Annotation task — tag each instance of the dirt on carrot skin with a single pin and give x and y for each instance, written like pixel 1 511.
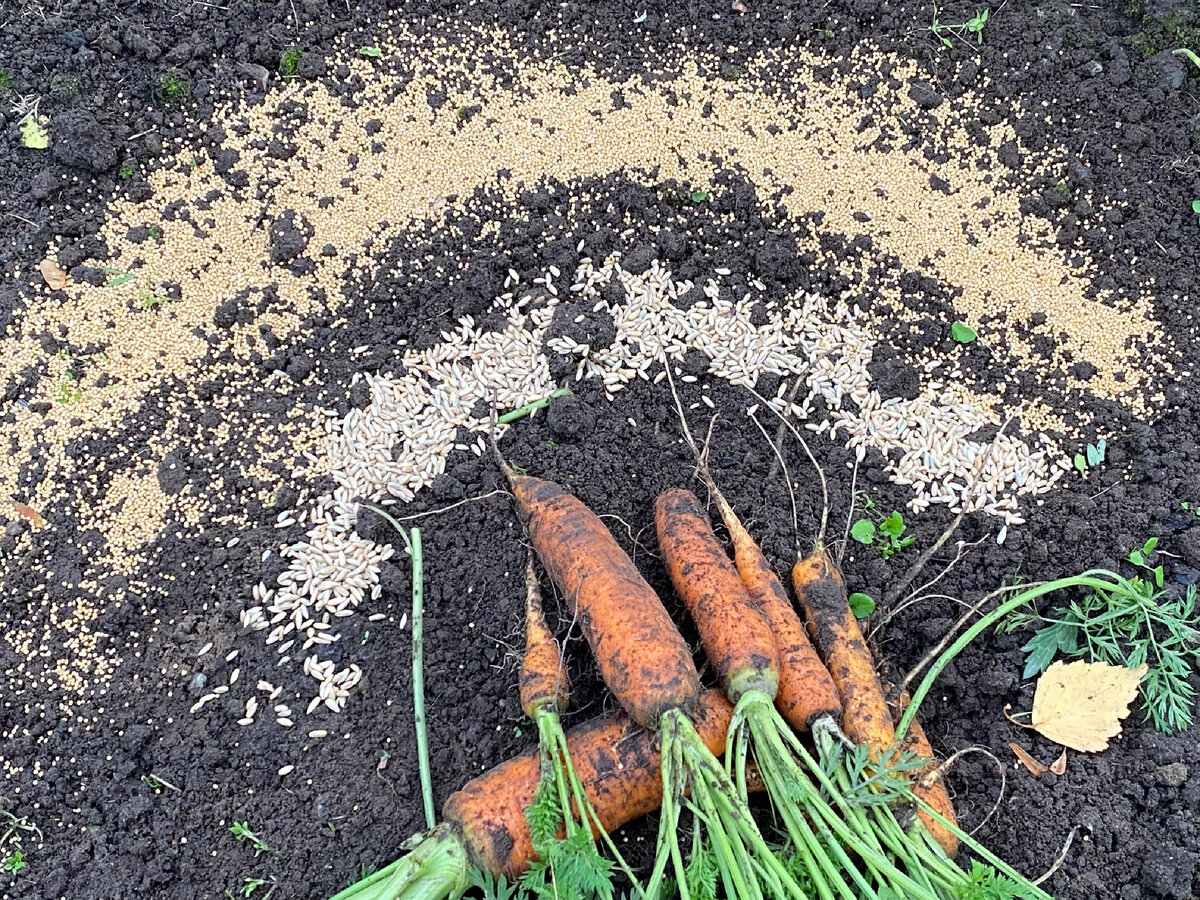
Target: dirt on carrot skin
pixel 86 780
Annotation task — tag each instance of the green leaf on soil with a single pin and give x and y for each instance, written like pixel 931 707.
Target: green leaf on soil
pixel 863 531
pixel 372 52
pixel 962 332
pixel 1095 453
pixel 862 605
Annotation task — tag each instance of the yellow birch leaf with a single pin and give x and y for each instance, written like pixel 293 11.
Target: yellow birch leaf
pixel 34 134
pixel 1081 704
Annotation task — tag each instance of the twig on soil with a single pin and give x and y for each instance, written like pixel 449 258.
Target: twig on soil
pixel 942 644
pixel 949 762
pixel 434 512
pixel 1062 858
pixel 849 515
pixel 820 541
pixel 522 411
pixel 894 592
pixel 412 541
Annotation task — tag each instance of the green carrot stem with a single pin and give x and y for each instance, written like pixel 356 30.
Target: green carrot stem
pixel 522 411
pixel 1096 579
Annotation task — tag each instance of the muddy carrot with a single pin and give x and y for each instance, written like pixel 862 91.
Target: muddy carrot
pixel 544 680
pixel 834 630
pixel 736 635
pixel 806 689
pixel 642 657
pixel 928 783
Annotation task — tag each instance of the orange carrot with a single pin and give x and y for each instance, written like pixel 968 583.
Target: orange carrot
pixel 806 689
pixel 617 761
pixel 927 783
pixel 642 657
pixel 736 635
pixel 544 679
pixel 834 630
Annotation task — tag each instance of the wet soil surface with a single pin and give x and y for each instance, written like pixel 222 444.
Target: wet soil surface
pixel 354 797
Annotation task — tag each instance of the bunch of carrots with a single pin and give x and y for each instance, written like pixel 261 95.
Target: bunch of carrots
pixel 855 809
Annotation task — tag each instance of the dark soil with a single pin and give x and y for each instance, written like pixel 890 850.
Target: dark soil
pixel 355 796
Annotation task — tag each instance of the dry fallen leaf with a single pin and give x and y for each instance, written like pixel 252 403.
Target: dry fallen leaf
pixel 53 273
pixel 1081 704
pixel 30 513
pixel 1059 766
pixel 1028 761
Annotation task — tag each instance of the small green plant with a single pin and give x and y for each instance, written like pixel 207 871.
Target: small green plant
pixel 172 86
pixel 126 172
pixel 155 232
pixel 289 62
pixel 1126 624
pixel 1063 191
pixel 64 87
pixel 370 52
pixel 962 333
pixel 1190 507
pixel 886 533
pixel 6 84
pixel 15 863
pixel 1196 208
pixel 1142 559
pixel 118 276
pixel 973 26
pixel 13 829
pixel 1092 456
pixel 493 887
pixel 68 390
pixel 241 831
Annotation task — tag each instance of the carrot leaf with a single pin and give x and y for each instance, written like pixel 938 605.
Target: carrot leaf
pixel 493 887
pixel 987 884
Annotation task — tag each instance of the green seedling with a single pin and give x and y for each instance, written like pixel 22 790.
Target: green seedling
pixel 522 411
pixel 962 333
pixel 64 86
pixel 1190 507
pixel 1141 559
pixel 973 26
pixel 371 52
pixel 15 863
pixel 1092 456
pixel 862 605
pixel 241 831
pixel 887 534
pixel 118 276
pixel 68 390
pixel 1196 207
pixel 172 86
pixel 1125 623
pixel 289 62
pixel 125 173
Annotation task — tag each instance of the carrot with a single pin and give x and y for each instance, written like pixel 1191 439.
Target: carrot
pixel 618 763
pixel 648 667
pixel 736 635
pixel 834 630
pixel 485 823
pixel 644 660
pixel 927 783
pixel 544 679
pixel 806 689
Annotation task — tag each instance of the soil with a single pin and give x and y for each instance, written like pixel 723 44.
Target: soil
pixel 108 832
